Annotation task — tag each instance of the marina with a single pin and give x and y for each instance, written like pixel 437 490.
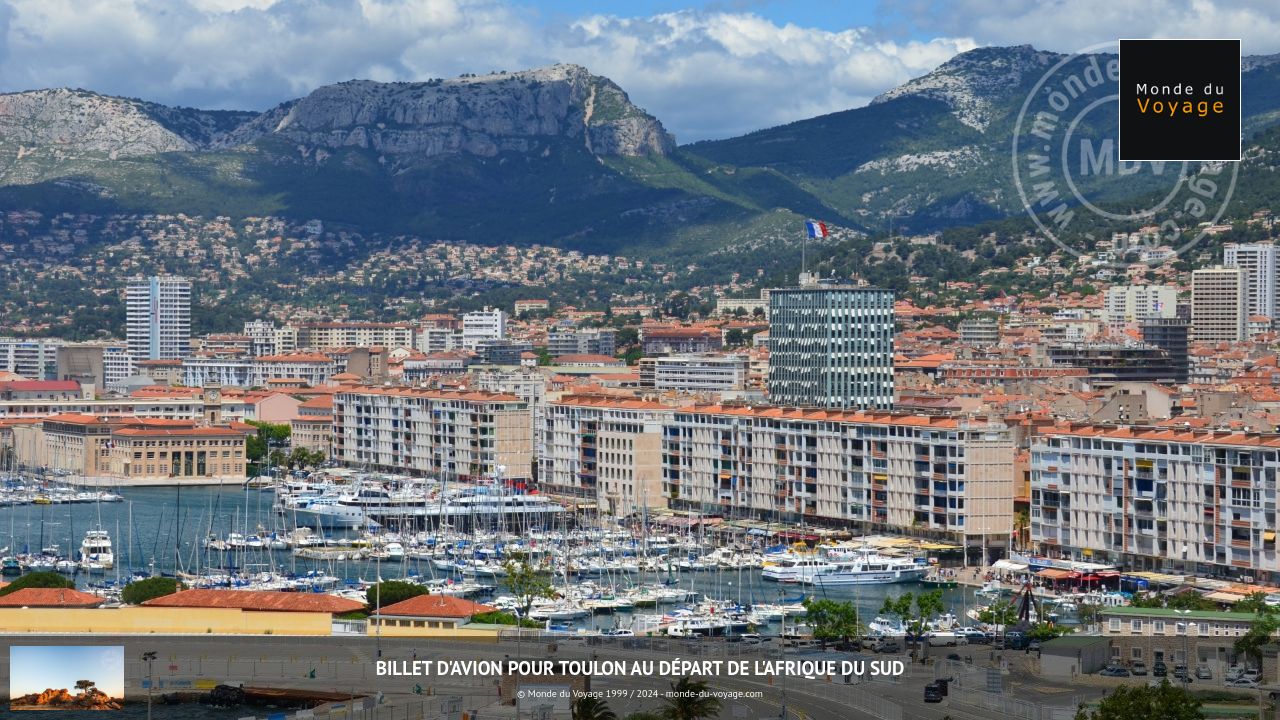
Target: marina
pixel 637 578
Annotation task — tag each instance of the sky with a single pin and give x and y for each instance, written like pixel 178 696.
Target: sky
pixel 35 669
pixel 706 68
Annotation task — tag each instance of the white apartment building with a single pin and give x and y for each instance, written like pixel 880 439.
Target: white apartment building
pixel 1178 500
pixel 438 339
pixel 471 436
pixel 703 372
pixel 159 318
pixel 32 358
pixel 605 451
pixel 1219 304
pixel 486 324
pixel 1259 261
pixel 1128 304
pixel 198 371
pixel 312 369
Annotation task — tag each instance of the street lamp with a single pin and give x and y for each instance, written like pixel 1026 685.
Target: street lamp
pixel 149 658
pixel 1186 658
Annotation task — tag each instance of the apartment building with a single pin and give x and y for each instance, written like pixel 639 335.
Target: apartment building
pixel 313 369
pixel 676 340
pixel 707 372
pixel 486 324
pixel 1219 304
pixel 1174 499
pixel 605 451
pixel 159 318
pixel 980 331
pixel 591 341
pixel 1259 262
pixel 312 428
pixel 474 436
pixel 1126 304
pixel 33 359
pixel 354 334
pixel 878 471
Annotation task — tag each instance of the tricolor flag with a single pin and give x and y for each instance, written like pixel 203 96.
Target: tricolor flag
pixel 816 229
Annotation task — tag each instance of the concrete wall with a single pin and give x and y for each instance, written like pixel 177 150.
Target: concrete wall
pixel 145 620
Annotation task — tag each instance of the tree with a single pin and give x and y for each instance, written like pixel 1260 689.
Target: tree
pixel 140 591
pixel 390 592
pixel 689 700
pixel 927 604
pixel 831 619
pixel 1167 702
pixel 591 708
pixel 84 685
pixel 1259 634
pixel 1255 603
pixel 268 433
pixel 39 580
pixel 735 337
pixel 526 581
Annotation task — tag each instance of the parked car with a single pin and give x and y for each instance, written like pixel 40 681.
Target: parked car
pixel 1252 675
pixel 1034 646
pixel 887 645
pixel 974 636
pixel 1233 672
pixel 932 693
pixel 1113 671
pixel 1159 669
pixel 1203 672
pixel 1180 672
pixel 1137 667
pixel 946 639
pixel 1243 683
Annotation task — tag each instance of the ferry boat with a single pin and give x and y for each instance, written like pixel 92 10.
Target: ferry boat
pixel 791 569
pixel 868 568
pixel 95 551
pixel 372 506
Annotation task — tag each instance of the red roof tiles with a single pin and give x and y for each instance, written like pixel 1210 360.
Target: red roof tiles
pixel 257 600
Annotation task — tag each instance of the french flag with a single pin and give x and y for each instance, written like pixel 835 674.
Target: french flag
pixel 816 229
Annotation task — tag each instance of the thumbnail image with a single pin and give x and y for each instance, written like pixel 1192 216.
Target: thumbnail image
pixel 66 677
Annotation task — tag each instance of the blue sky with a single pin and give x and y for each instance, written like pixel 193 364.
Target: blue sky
pixel 34 669
pixel 707 69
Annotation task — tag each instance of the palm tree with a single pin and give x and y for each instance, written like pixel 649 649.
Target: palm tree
pixel 689 700
pixel 591 708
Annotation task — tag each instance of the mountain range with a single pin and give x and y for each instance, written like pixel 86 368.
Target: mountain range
pixel 555 156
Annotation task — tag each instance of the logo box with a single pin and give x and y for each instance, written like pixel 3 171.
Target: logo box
pixel 1180 100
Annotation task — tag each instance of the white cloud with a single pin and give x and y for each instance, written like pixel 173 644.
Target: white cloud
pixel 712 74
pixel 1066 26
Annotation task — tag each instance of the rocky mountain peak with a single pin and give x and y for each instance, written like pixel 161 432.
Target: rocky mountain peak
pixel 971 82
pixel 474 114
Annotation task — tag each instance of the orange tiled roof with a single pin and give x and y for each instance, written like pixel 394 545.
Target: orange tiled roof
pixel 436 606
pixel 257 600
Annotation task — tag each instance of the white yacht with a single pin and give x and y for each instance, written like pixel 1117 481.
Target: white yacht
pixel 790 569
pixel 95 551
pixel 868 568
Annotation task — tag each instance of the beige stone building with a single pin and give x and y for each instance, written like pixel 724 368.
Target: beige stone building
pixel 137 451
pixel 457 435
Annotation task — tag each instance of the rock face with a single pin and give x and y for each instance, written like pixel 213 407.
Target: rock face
pixel 481 115
pixel 405 122
pixel 59 698
pixel 971 83
pixel 83 122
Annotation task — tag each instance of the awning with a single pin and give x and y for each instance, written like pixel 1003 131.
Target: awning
pixel 1268 535
pixel 757 531
pixel 1009 566
pixel 1054 574
pixel 1224 597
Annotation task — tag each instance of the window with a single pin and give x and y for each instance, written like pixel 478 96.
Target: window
pixel 1114 625
pixel 1135 625
pixel 1159 627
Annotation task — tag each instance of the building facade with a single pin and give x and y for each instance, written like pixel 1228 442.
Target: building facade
pixel 831 346
pixel 1259 261
pixel 604 451
pixel 33 359
pixel 876 471
pixel 470 436
pixel 1125 304
pixel 582 342
pixel 1219 304
pixel 1188 501
pixel 486 324
pixel 707 372
pixel 159 318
